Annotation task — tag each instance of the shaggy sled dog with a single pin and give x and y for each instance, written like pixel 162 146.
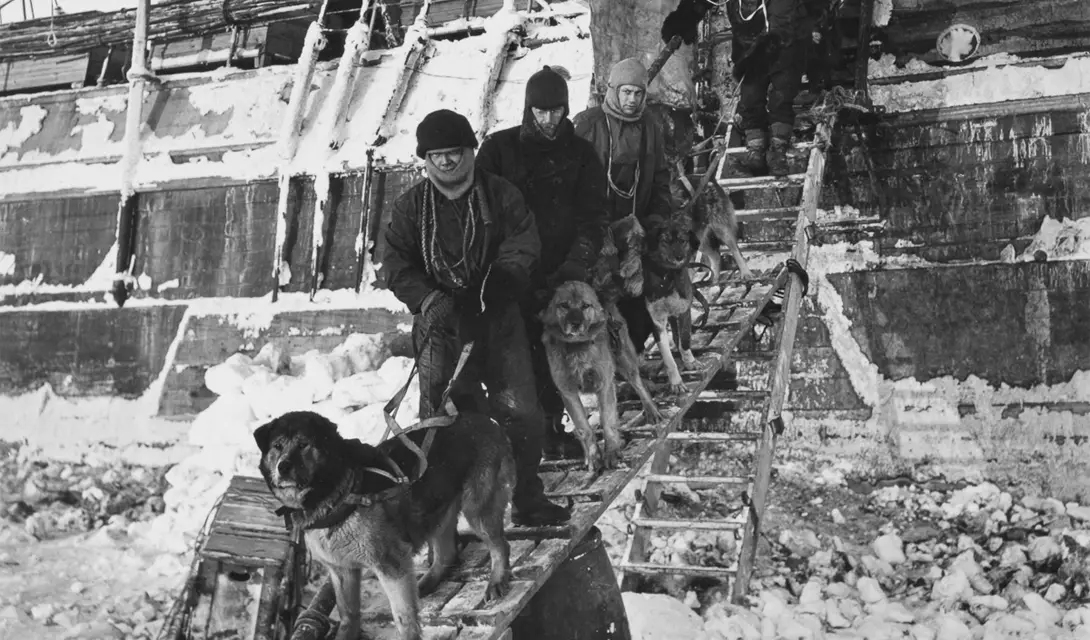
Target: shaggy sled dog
pixel 714 220
pixel 323 481
pixel 668 292
pixel 586 345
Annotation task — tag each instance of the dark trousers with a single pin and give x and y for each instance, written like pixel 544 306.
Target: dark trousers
pixel 635 314
pixel 501 361
pixel 552 405
pixel 769 88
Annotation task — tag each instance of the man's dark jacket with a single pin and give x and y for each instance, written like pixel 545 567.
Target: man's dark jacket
pixel 509 241
pixel 564 184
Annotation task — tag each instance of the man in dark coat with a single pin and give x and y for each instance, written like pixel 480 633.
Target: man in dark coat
pixel 461 249
pixel 630 143
pixel 565 187
pixel 769 49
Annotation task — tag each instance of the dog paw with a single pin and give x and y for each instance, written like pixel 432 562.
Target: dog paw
pixel 690 363
pixel 427 584
pixel 498 588
pixel 678 389
pixel 595 462
pixel 611 460
pixel 652 414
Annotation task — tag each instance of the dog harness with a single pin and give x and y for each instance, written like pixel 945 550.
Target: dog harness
pixel 402 481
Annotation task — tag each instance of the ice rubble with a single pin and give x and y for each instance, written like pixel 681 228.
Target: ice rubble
pixel 348 385
pixel 951 564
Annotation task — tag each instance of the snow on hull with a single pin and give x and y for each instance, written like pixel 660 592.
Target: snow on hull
pixel 225 125
pixel 993 79
pixel 923 418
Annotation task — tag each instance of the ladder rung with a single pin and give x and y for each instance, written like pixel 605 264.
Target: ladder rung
pixel 732 395
pixel 702 525
pixel 798 146
pixel 749 303
pixel 761 182
pixel 766 245
pixel 774 213
pixel 691 436
pixel 650 568
pixel 673 479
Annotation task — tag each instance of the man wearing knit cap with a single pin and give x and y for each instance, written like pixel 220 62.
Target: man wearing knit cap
pixel 631 145
pixel 564 184
pixel 461 249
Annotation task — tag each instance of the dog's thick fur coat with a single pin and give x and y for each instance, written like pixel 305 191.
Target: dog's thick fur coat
pixel 587 344
pixel 714 219
pixel 668 293
pixel 313 471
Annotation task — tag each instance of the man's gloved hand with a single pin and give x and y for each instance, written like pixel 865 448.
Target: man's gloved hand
pixel 501 288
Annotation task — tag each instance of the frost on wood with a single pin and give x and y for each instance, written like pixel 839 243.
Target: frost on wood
pixel 990 81
pixel 923 418
pixel 226 124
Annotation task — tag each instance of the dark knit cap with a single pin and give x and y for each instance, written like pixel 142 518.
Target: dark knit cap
pixel 547 89
pixel 443 129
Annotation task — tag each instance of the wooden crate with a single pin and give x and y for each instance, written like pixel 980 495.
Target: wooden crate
pixel 278 42
pixel 66 71
pixel 245 581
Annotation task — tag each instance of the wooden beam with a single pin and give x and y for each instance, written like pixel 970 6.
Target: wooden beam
pixel 77 32
pixel 1024 24
pixel 289 139
pixel 862 46
pixel 781 372
pixel 414 46
pixel 496 57
pixel 1073 102
pixel 125 237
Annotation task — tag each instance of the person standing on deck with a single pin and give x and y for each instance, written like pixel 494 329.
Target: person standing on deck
pixel 564 184
pixel 631 145
pixel 462 247
pixel 770 40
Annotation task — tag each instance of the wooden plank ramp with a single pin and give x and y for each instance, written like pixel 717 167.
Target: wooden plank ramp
pixel 457 608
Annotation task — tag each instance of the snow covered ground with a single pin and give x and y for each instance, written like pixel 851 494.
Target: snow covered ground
pixel 142 522
pixel 917 556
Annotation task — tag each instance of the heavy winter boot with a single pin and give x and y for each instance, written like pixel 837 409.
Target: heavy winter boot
pixel 777 150
pixel 753 160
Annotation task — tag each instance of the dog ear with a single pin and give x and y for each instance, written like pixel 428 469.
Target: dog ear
pixel 263 436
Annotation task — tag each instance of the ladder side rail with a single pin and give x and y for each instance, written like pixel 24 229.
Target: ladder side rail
pixel 781 373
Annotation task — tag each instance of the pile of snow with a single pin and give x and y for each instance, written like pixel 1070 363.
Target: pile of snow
pixel 1065 239
pixel 350 385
